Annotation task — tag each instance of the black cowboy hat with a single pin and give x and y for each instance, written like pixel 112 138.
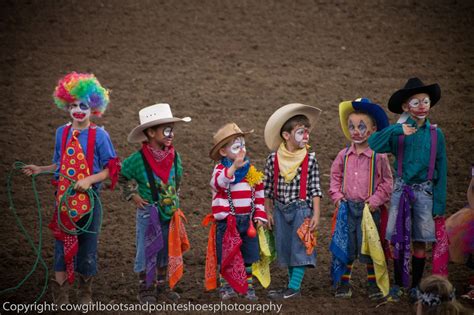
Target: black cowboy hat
pixel 412 87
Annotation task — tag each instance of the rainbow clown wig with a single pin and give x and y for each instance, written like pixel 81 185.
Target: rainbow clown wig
pixel 83 87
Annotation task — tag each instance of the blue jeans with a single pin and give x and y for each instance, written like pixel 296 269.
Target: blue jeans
pixel 142 220
pixel 290 249
pixel 85 262
pixel 250 248
pixel 422 222
pixel 354 221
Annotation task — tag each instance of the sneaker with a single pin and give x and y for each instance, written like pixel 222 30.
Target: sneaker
pixel 344 291
pixel 288 293
pixel 275 292
pixel 251 296
pixel 226 293
pixel 146 295
pixel 394 294
pixel 373 292
pixel 413 294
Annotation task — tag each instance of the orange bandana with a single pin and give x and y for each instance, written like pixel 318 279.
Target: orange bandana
pixel 178 243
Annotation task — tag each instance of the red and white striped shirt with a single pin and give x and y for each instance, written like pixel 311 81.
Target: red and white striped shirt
pixel 241 194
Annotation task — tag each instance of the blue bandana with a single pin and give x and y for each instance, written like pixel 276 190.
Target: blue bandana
pixel 240 173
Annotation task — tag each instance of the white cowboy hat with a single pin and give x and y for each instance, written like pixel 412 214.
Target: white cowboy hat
pixel 150 116
pixel 281 116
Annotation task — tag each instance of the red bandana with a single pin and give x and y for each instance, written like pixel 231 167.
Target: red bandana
pixel 160 168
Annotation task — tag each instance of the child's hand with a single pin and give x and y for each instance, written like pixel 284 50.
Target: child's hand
pixel 31 169
pixel 372 208
pixel 313 224
pixel 83 184
pixel 239 160
pixel 139 201
pixel 270 221
pixel 408 130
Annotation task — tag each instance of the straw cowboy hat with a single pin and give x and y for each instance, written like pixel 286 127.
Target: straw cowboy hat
pixel 223 135
pixel 150 116
pixel 412 87
pixel 281 116
pixel 364 105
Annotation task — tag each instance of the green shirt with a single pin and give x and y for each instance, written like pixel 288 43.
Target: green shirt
pixel 133 168
pixel 416 159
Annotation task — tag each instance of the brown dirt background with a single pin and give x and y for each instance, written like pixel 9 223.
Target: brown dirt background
pixel 220 61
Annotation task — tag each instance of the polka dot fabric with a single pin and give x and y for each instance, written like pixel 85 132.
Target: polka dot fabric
pixel 74 165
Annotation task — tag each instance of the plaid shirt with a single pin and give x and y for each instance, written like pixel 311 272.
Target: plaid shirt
pixel 290 192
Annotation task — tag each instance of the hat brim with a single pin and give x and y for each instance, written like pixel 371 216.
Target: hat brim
pixel 281 116
pixel 214 153
pixel 137 135
pixel 396 100
pixel 374 110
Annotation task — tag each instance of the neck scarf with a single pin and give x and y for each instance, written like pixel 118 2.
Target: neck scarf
pixel 240 173
pixel 161 165
pixel 289 162
pixel 402 237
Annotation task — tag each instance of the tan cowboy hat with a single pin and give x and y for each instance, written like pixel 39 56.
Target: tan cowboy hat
pixel 281 116
pixel 150 116
pixel 223 135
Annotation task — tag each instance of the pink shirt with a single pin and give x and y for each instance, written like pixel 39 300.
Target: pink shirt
pixel 356 186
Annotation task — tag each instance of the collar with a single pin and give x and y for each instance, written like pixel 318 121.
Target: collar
pixel 352 150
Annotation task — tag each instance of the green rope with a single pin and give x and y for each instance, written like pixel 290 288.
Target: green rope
pixel 37 249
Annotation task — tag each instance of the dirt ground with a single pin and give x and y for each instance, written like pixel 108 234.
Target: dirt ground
pixel 220 61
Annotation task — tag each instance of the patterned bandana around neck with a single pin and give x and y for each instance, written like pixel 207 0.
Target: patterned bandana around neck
pixel 289 162
pixel 240 173
pixel 159 155
pixel 160 168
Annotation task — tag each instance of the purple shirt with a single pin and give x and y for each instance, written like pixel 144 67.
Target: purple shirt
pixel 356 187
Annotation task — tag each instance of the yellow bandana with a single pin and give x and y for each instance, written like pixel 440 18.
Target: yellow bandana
pixel 372 247
pixel 288 162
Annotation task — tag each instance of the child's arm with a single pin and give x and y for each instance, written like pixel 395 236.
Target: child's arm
pixel 268 190
pixel 441 167
pixel 86 183
pixel 382 141
pixel 260 213
pixel 129 191
pixel 316 213
pixel 337 177
pixel 35 169
pixel 384 187
pixel 315 192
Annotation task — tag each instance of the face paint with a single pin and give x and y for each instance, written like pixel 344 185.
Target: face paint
pixel 301 137
pixel 419 107
pixel 237 146
pixel 168 132
pixel 360 133
pixel 79 112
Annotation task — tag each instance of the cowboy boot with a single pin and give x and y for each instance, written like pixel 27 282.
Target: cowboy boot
pixel 60 292
pixel 85 290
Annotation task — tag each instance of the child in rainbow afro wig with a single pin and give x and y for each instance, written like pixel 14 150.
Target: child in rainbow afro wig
pixel 83 157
